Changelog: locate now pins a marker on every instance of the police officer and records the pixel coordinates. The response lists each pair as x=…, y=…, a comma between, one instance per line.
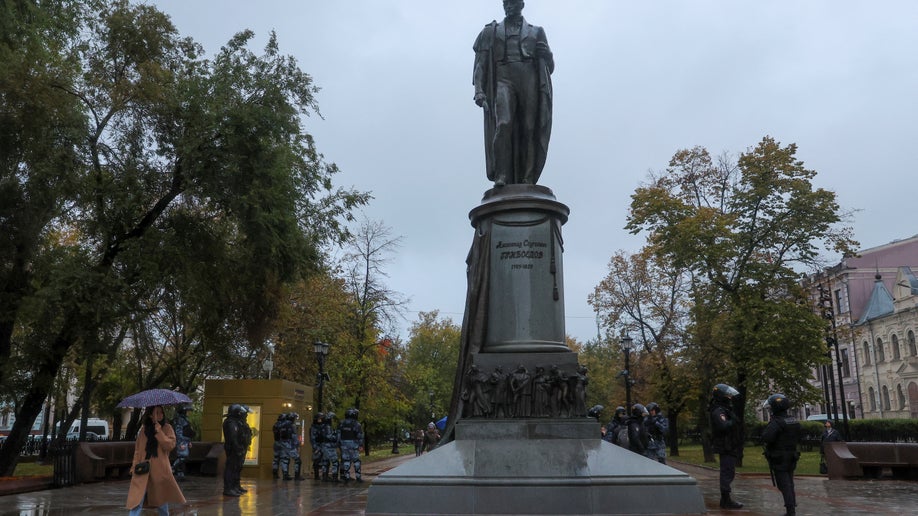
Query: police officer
x=330, y=440
x=657, y=427
x=278, y=446
x=293, y=448
x=315, y=440
x=726, y=440
x=183, y=436
x=237, y=437
x=351, y=435
x=638, y=439
x=617, y=421
x=780, y=438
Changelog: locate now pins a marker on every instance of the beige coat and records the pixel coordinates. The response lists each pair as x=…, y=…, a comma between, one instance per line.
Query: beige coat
x=159, y=484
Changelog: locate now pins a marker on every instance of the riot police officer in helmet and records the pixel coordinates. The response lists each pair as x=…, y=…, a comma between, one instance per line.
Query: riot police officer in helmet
x=726, y=439
x=780, y=438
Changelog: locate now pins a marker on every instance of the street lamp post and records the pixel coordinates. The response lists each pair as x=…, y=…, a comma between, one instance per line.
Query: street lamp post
x=321, y=349
x=268, y=366
x=627, y=342
x=431, y=393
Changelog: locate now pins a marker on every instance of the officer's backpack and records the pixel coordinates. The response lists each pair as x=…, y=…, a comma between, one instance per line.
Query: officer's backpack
x=621, y=437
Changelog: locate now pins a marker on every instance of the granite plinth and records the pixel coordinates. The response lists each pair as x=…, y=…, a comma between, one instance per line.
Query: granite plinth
x=533, y=466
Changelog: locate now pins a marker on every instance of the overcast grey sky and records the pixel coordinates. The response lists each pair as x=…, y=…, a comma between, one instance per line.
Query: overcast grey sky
x=634, y=82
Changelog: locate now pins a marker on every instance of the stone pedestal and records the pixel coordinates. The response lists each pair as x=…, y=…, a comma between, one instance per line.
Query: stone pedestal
x=523, y=463
x=526, y=285
x=532, y=466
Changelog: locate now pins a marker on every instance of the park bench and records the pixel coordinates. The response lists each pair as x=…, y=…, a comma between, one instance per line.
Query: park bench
x=100, y=460
x=872, y=460
x=97, y=461
x=204, y=458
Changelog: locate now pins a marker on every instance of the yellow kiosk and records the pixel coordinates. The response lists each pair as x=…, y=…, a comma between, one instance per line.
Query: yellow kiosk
x=266, y=399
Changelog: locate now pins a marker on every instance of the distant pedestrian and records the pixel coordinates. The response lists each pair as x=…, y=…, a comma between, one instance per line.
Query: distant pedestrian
x=431, y=437
x=152, y=482
x=418, y=437
x=828, y=436
x=780, y=438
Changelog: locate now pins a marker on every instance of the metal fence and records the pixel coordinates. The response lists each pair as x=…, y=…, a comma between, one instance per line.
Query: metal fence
x=63, y=456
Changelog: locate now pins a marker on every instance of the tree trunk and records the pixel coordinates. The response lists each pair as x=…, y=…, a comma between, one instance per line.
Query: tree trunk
x=34, y=399
x=673, y=433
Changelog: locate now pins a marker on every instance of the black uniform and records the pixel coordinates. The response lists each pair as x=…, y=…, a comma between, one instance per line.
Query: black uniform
x=237, y=437
x=726, y=440
x=781, y=437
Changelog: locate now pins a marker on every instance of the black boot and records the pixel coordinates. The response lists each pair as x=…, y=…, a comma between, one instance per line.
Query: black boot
x=287, y=477
x=728, y=503
x=274, y=473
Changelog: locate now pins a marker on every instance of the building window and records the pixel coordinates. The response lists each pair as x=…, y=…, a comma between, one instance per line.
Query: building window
x=840, y=305
x=895, y=347
x=881, y=355
x=873, y=399
x=900, y=394
x=846, y=366
x=866, y=353
x=911, y=343
x=886, y=398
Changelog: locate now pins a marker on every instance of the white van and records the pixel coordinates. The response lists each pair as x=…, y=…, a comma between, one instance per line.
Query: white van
x=94, y=425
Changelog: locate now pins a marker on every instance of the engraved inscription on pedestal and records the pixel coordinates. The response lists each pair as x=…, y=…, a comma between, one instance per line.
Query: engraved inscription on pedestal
x=525, y=283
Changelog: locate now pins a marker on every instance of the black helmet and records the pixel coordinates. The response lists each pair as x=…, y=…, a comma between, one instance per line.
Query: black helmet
x=638, y=410
x=724, y=393
x=777, y=403
x=619, y=411
x=351, y=413
x=292, y=416
x=595, y=411
x=282, y=416
x=329, y=416
x=183, y=409
x=318, y=416
x=652, y=406
x=238, y=411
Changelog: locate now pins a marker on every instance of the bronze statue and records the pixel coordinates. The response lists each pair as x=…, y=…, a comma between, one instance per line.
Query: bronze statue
x=512, y=79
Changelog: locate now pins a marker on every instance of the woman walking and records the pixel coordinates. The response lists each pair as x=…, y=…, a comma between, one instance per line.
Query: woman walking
x=152, y=483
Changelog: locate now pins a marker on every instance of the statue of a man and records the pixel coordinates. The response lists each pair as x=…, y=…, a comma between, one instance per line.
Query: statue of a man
x=512, y=79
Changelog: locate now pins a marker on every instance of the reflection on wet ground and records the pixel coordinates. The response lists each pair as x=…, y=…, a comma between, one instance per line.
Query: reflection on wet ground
x=815, y=496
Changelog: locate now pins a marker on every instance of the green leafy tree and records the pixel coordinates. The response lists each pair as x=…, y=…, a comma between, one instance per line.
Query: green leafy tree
x=181, y=172
x=744, y=229
x=642, y=297
x=431, y=355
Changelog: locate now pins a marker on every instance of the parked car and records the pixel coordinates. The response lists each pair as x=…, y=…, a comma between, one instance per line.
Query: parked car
x=818, y=417
x=90, y=436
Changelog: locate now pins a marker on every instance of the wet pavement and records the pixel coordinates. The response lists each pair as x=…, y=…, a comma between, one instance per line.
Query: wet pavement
x=815, y=496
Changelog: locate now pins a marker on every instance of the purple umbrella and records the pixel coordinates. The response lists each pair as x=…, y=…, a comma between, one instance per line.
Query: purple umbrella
x=153, y=397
